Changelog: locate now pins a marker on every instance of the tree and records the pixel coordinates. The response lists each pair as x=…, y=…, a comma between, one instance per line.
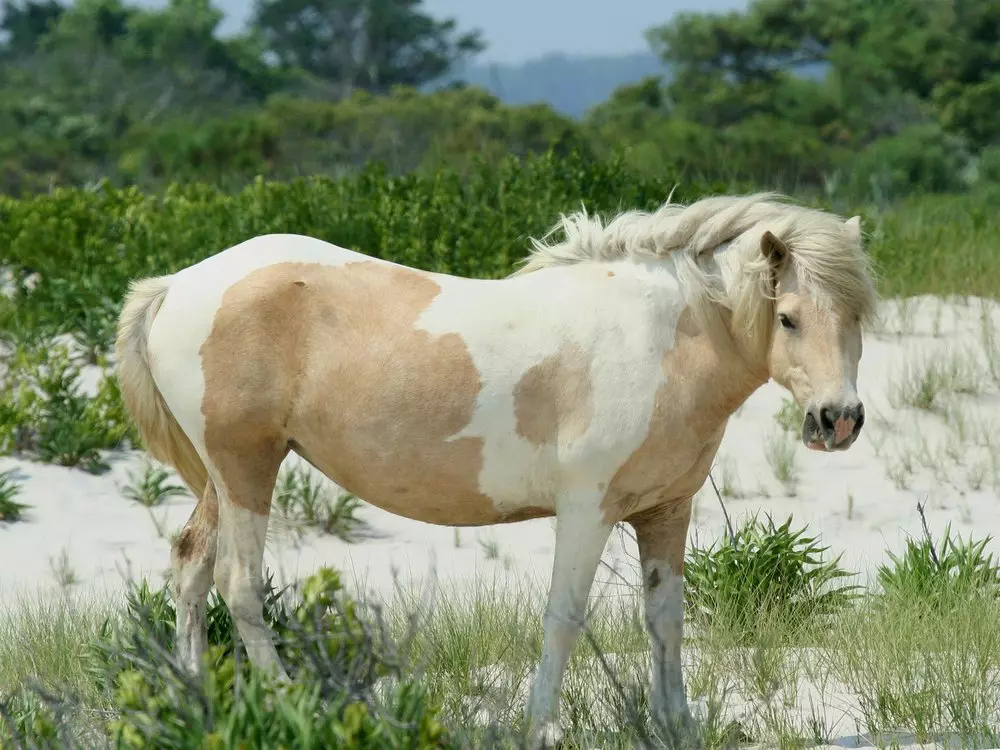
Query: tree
x=367, y=44
x=25, y=23
x=935, y=59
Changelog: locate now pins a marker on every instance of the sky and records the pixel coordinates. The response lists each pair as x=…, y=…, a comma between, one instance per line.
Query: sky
x=572, y=27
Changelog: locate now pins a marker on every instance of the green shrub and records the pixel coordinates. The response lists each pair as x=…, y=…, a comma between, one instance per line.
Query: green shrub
x=347, y=689
x=151, y=486
x=45, y=415
x=301, y=497
x=919, y=159
x=10, y=509
x=941, y=574
x=989, y=164
x=86, y=245
x=761, y=571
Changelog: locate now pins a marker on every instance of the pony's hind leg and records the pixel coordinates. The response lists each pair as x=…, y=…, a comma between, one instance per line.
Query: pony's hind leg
x=193, y=558
x=660, y=533
x=245, y=485
x=581, y=535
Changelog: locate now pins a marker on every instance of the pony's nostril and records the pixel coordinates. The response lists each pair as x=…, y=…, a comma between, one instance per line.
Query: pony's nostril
x=827, y=417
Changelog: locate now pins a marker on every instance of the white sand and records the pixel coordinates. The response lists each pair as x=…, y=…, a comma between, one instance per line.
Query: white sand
x=945, y=462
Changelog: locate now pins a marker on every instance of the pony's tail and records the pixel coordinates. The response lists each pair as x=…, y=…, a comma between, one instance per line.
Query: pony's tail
x=163, y=437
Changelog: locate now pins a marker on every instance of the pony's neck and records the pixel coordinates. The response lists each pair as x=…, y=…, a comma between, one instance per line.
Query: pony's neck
x=727, y=262
x=723, y=379
x=716, y=373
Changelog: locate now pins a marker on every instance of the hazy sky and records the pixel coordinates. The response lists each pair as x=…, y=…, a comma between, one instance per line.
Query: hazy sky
x=594, y=27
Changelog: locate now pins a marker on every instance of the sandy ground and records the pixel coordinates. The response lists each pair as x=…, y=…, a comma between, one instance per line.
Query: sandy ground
x=862, y=502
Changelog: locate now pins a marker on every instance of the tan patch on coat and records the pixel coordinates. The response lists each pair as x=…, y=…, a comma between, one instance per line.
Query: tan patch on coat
x=200, y=530
x=660, y=533
x=329, y=359
x=554, y=399
x=686, y=427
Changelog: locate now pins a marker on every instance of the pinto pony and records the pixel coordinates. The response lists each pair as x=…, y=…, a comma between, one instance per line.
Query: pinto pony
x=593, y=385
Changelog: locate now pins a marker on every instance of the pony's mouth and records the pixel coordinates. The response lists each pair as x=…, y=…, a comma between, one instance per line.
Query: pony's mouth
x=816, y=438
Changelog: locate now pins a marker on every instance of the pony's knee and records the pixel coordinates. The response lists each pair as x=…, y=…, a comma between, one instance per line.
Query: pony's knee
x=243, y=599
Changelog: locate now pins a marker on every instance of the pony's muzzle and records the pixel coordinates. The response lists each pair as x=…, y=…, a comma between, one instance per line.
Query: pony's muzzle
x=833, y=427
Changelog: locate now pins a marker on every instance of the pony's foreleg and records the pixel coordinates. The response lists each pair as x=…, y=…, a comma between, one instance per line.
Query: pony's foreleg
x=193, y=557
x=660, y=533
x=581, y=535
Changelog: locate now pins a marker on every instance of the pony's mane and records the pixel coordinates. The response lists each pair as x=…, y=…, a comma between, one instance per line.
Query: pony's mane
x=826, y=256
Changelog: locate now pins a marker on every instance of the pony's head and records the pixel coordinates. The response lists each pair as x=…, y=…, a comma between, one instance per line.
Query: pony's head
x=822, y=296
x=788, y=287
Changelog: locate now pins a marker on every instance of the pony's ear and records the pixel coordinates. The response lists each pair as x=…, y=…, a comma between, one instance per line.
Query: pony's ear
x=773, y=249
x=854, y=228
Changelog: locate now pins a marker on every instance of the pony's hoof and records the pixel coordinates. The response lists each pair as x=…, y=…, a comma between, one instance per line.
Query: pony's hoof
x=549, y=735
x=680, y=728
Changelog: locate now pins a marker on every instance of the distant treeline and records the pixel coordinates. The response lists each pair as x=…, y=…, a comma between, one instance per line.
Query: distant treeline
x=851, y=99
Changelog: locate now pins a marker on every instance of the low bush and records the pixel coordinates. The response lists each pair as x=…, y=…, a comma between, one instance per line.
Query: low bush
x=763, y=570
x=46, y=415
x=347, y=690
x=942, y=574
x=10, y=509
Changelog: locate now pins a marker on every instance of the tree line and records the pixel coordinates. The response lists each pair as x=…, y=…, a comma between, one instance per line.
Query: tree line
x=870, y=99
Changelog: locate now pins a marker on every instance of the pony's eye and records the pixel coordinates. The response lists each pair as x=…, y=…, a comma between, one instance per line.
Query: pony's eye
x=786, y=321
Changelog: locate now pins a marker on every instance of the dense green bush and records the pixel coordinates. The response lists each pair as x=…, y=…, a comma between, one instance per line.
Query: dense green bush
x=919, y=159
x=942, y=574
x=87, y=245
x=46, y=415
x=10, y=509
x=763, y=570
x=348, y=688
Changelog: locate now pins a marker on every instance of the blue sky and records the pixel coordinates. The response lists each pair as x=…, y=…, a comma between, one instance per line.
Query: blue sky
x=573, y=27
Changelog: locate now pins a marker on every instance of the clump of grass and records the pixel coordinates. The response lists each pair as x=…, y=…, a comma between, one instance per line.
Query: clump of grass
x=780, y=452
x=924, y=382
x=790, y=416
x=151, y=486
x=10, y=510
x=37, y=634
x=44, y=414
x=941, y=574
x=917, y=666
x=491, y=547
x=760, y=570
x=925, y=653
x=62, y=570
x=349, y=688
x=301, y=497
x=94, y=331
x=729, y=485
x=990, y=340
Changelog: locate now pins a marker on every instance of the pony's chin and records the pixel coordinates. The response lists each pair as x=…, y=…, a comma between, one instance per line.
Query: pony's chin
x=816, y=445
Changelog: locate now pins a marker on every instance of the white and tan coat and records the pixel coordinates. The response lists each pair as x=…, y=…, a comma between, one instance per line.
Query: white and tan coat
x=594, y=385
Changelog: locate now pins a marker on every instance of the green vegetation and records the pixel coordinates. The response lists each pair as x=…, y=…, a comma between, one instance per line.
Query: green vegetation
x=152, y=486
x=303, y=498
x=767, y=614
x=760, y=569
x=10, y=509
x=855, y=101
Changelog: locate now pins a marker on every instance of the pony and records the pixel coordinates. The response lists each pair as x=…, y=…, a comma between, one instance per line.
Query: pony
x=593, y=385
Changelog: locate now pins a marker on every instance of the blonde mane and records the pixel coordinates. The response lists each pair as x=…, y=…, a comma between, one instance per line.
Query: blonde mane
x=826, y=255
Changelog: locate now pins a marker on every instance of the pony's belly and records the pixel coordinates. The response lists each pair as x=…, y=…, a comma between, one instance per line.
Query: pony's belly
x=420, y=487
